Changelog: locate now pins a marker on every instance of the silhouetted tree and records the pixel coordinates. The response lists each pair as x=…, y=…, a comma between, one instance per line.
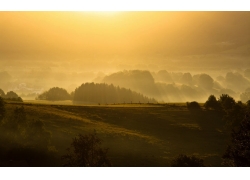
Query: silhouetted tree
x=234, y=116
x=85, y=151
x=55, y=94
x=248, y=104
x=212, y=103
x=2, y=109
x=238, y=152
x=187, y=161
x=11, y=94
x=226, y=101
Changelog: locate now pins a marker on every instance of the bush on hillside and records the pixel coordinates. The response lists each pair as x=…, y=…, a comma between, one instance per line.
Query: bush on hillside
x=85, y=151
x=193, y=106
x=187, y=161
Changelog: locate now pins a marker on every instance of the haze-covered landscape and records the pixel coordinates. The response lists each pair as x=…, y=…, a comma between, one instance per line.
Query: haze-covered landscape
x=156, y=88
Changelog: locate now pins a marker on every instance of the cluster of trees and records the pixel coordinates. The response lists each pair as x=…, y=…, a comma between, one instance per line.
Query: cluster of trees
x=104, y=93
x=233, y=112
x=238, y=152
x=55, y=94
x=11, y=96
x=237, y=118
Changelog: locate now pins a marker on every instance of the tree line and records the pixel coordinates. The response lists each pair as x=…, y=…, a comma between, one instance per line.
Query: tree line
x=107, y=94
x=11, y=96
x=96, y=93
x=236, y=116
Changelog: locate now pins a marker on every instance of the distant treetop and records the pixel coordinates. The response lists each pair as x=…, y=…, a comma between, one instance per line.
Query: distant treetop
x=55, y=94
x=11, y=96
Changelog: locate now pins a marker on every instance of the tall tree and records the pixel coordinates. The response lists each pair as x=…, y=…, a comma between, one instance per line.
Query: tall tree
x=85, y=151
x=238, y=152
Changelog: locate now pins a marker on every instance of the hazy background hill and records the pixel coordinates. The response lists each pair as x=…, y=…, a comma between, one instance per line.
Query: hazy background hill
x=159, y=54
x=163, y=85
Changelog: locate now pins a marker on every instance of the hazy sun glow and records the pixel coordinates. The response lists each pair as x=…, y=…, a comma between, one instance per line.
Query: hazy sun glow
x=119, y=37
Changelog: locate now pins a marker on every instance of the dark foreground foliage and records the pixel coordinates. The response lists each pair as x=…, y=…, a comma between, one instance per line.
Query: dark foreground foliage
x=24, y=141
x=85, y=151
x=212, y=103
x=187, y=161
x=2, y=109
x=238, y=152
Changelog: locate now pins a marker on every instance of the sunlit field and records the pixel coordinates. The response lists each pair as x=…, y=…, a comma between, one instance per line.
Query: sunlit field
x=136, y=135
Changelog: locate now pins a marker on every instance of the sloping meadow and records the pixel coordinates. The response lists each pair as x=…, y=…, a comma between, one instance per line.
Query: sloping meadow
x=136, y=135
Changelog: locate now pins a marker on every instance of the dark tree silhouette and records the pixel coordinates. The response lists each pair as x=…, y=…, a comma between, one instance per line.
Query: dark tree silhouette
x=2, y=109
x=238, y=152
x=55, y=94
x=212, y=103
x=187, y=161
x=85, y=151
x=226, y=101
x=248, y=104
x=11, y=94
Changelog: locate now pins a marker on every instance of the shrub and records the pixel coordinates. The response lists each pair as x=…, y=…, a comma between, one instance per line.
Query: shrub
x=193, y=105
x=187, y=161
x=86, y=152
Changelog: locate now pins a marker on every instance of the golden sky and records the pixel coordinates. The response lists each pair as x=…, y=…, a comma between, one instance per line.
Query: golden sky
x=79, y=35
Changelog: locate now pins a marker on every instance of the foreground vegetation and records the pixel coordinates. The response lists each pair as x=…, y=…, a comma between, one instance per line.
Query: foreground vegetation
x=135, y=135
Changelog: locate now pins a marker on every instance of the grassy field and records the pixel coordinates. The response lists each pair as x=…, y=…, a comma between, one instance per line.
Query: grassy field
x=136, y=134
